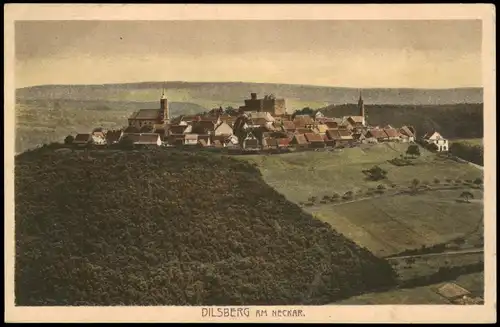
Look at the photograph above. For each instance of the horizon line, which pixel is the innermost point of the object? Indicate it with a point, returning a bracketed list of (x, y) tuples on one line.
[(270, 83)]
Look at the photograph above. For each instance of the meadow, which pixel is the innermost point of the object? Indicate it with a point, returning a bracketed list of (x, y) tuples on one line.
[(386, 225), (473, 282)]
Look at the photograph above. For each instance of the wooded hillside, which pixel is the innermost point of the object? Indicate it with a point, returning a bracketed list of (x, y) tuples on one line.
[(167, 227)]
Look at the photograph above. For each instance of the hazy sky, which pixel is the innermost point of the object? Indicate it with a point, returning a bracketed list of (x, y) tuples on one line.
[(424, 54)]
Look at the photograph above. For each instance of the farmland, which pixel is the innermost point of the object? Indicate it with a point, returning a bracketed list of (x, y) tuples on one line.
[(387, 224), (419, 295)]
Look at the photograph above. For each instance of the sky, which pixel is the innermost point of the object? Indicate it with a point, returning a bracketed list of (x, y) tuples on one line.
[(353, 53)]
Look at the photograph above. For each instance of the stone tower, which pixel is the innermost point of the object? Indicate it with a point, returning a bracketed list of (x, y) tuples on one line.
[(164, 106)]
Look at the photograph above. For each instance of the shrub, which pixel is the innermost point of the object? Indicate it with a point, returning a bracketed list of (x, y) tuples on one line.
[(436, 181), (478, 181), (381, 187)]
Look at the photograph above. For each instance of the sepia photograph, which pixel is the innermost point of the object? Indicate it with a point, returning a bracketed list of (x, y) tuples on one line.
[(245, 165)]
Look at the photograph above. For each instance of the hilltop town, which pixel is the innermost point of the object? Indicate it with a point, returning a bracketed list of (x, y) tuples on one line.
[(261, 124)]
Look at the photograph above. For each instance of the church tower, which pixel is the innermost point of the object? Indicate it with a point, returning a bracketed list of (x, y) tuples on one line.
[(361, 107), (164, 106)]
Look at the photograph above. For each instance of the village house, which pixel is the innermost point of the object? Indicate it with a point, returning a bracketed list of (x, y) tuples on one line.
[(250, 142), (406, 134), (376, 134), (340, 137), (288, 126), (113, 136), (299, 141), (315, 140), (180, 129), (392, 134), (144, 138), (320, 129), (98, 138), (82, 139), (190, 139), (436, 138), (303, 121)]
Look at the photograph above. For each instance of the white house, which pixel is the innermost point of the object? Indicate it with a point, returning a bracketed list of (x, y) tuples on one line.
[(98, 138), (144, 138), (436, 138), (190, 139)]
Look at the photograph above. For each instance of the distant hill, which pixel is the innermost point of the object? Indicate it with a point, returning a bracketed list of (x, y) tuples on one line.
[(211, 95), (170, 227)]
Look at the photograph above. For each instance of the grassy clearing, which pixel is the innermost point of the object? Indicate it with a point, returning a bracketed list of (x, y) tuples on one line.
[(385, 225), (476, 141), (419, 295), (304, 174)]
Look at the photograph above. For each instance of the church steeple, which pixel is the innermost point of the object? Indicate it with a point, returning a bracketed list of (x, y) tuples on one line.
[(164, 105), (361, 107)]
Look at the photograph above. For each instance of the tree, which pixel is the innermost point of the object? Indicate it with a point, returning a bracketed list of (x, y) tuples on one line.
[(375, 173), (478, 181), (413, 150), (304, 111), (69, 139), (467, 195)]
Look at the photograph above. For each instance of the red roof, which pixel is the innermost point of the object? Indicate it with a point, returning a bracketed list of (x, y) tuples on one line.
[(331, 124), (406, 131), (303, 120), (391, 132), (376, 133), (303, 130), (288, 125), (311, 137), (283, 141), (299, 139)]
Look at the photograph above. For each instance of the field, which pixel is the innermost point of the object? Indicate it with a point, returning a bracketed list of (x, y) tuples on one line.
[(419, 295), (472, 141), (385, 225)]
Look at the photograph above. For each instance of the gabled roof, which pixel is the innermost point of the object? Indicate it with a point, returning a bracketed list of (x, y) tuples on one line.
[(376, 133), (270, 141), (147, 114), (303, 130), (313, 138), (391, 132), (258, 121), (432, 134), (143, 138), (303, 120), (82, 138), (177, 129), (288, 125), (283, 141), (339, 134), (332, 124), (405, 130), (356, 119), (202, 142), (299, 139)]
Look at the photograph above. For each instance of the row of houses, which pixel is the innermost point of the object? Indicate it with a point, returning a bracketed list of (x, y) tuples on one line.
[(265, 131)]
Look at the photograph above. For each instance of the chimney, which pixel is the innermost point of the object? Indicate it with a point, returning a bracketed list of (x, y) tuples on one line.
[(253, 96)]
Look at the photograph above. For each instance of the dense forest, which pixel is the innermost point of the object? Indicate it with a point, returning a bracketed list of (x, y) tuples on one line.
[(171, 227), (451, 121)]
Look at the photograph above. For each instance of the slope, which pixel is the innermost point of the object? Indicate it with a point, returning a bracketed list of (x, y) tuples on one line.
[(168, 227)]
